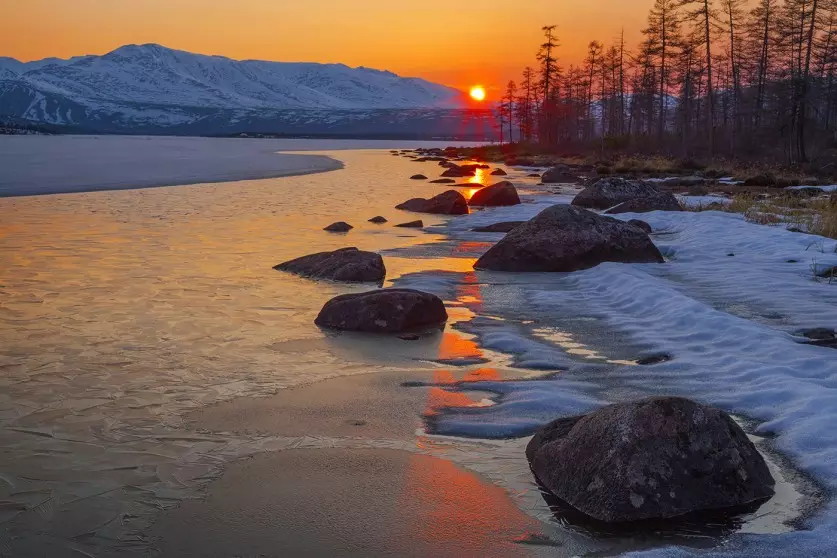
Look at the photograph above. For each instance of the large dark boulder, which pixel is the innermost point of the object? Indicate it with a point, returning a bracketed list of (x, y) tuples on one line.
[(384, 311), (500, 194), (664, 201), (503, 227), (446, 203), (608, 192), (347, 264), (559, 174), (566, 238), (658, 458)]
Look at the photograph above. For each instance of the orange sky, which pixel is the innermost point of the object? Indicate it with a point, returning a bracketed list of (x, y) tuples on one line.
[(456, 42)]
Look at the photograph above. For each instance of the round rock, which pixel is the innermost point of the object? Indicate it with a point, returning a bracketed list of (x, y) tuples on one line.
[(609, 192), (559, 174), (500, 194), (658, 458), (566, 238), (347, 264), (446, 203), (339, 226), (384, 311)]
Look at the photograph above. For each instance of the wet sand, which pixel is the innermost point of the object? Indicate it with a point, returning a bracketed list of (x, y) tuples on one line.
[(346, 502), (337, 502), (373, 406)]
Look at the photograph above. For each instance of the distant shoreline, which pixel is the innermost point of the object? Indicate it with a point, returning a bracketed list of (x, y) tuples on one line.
[(44, 165)]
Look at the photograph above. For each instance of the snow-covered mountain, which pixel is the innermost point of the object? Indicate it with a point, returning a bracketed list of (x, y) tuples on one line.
[(154, 89), (155, 75)]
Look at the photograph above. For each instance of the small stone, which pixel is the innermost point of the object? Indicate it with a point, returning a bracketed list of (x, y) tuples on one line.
[(412, 225), (339, 226)]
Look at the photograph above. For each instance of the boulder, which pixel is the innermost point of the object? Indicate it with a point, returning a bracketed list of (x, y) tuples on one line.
[(347, 264), (500, 194), (559, 174), (658, 458), (609, 192), (498, 172), (339, 226), (418, 177), (503, 227), (446, 203), (378, 220), (412, 225), (456, 171), (443, 181), (566, 238), (646, 228), (384, 311), (664, 201)]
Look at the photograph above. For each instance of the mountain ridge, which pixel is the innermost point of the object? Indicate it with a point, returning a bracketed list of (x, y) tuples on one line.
[(154, 74), (153, 89)]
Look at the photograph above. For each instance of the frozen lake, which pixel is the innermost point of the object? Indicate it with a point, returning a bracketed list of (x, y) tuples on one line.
[(34, 165), (125, 313)]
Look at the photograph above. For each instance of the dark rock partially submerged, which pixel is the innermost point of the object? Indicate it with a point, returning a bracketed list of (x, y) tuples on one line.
[(658, 458), (443, 181), (384, 311), (455, 171), (412, 225), (498, 172), (339, 226), (566, 238), (347, 264), (378, 220), (446, 203), (418, 177), (609, 192), (503, 227), (500, 194)]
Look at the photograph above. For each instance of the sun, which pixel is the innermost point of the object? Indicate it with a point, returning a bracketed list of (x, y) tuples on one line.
[(478, 93)]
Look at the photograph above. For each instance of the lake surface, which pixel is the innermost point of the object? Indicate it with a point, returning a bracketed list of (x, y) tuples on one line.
[(121, 311)]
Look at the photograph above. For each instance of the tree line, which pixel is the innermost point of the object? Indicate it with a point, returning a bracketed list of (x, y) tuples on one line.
[(708, 78)]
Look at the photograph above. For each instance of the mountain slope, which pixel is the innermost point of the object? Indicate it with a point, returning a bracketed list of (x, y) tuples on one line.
[(151, 89), (152, 74)]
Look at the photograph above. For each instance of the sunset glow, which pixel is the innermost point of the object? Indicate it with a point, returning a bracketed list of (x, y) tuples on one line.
[(478, 93), (410, 39)]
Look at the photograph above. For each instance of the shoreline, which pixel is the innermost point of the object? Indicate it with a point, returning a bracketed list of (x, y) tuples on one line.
[(81, 164)]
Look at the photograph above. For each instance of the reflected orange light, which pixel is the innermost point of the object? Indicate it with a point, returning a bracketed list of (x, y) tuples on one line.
[(454, 345), (439, 399), (479, 177), (459, 513)]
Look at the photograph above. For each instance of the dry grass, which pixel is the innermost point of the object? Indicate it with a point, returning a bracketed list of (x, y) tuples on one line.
[(815, 216)]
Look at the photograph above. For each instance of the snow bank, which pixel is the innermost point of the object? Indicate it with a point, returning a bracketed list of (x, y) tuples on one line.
[(728, 306)]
